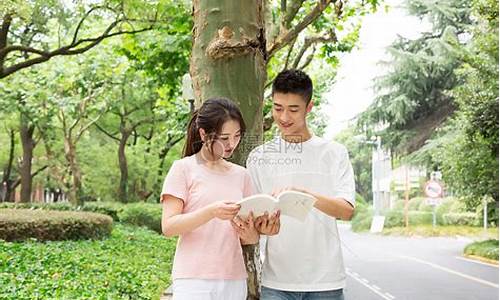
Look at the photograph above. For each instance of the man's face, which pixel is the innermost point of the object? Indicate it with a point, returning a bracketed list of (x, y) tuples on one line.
[(289, 113)]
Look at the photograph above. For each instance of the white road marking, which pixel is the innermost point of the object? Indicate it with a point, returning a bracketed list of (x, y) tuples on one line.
[(451, 271), (385, 296)]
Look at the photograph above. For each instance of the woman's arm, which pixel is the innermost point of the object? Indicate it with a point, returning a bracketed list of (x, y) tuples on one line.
[(174, 222)]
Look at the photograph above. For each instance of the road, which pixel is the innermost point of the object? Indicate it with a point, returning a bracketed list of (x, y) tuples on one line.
[(388, 267)]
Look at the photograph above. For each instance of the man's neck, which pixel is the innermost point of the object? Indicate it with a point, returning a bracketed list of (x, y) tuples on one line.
[(300, 137)]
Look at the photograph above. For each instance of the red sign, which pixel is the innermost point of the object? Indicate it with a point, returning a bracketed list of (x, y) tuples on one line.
[(433, 189)]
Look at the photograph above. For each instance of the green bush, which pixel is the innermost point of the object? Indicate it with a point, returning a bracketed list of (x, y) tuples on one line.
[(360, 200), (107, 208), (464, 219), (362, 218), (419, 218), (398, 205), (142, 214), (425, 207), (46, 225), (415, 203), (61, 206), (444, 208), (487, 249), (133, 263), (395, 218), (111, 209)]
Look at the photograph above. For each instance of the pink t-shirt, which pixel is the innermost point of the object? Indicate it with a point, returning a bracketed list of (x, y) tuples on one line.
[(213, 250)]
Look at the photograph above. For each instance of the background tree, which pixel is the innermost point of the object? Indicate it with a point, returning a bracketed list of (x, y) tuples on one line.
[(413, 97), (439, 101), (33, 32)]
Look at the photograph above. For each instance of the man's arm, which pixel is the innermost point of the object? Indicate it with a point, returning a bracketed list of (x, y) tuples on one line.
[(340, 204), (338, 208)]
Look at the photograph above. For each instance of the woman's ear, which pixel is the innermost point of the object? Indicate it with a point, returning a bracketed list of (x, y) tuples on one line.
[(203, 134)]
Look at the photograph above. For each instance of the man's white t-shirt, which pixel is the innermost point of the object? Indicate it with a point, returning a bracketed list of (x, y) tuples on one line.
[(304, 256)]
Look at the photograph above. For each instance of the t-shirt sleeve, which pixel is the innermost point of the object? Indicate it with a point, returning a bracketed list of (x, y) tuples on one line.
[(344, 184), (175, 183), (248, 188)]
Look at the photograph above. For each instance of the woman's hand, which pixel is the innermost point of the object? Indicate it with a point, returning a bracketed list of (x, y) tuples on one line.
[(224, 210), (268, 225), (246, 230)]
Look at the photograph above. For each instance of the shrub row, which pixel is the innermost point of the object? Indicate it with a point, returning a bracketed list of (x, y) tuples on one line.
[(450, 212), (138, 214), (46, 225)]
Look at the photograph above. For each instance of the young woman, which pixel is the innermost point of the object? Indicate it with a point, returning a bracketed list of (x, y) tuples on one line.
[(198, 196)]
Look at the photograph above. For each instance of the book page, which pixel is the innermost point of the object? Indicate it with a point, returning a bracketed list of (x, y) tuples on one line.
[(295, 204), (258, 204)]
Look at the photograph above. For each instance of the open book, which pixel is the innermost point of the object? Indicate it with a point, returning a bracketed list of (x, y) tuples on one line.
[(291, 203)]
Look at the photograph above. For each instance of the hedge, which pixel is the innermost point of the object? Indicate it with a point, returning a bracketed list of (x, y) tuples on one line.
[(465, 218), (107, 208), (47, 225), (142, 214), (395, 218)]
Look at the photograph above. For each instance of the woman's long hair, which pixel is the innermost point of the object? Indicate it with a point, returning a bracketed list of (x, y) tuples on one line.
[(211, 116)]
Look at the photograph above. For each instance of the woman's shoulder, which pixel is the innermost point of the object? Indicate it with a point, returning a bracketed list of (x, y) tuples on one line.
[(183, 163), (237, 168)]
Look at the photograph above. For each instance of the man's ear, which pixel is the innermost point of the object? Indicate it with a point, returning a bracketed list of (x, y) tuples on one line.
[(309, 106), (203, 134)]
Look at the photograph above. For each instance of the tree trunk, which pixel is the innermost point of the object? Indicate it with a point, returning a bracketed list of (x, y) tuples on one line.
[(75, 193), (229, 60), (28, 144), (122, 161), (7, 181)]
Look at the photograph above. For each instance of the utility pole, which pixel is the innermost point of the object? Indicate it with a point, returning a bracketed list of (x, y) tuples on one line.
[(407, 194)]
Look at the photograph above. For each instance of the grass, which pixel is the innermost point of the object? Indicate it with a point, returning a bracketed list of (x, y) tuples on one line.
[(428, 230), (485, 249), (134, 263)]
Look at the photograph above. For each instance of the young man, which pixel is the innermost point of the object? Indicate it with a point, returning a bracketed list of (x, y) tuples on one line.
[(302, 260)]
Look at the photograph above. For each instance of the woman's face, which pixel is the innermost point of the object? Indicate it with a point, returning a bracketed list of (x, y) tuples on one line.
[(226, 142)]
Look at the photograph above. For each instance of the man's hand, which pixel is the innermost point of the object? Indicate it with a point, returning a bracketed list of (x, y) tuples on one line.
[(276, 192), (268, 225), (246, 230)]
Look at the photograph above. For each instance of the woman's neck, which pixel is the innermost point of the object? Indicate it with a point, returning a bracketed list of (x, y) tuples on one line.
[(208, 159)]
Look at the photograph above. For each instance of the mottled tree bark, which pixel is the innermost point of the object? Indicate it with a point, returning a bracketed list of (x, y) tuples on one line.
[(229, 60)]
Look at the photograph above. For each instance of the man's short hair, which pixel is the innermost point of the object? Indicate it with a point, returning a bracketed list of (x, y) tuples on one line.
[(295, 82)]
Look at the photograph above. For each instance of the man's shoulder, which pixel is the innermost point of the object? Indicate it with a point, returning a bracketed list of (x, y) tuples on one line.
[(330, 145)]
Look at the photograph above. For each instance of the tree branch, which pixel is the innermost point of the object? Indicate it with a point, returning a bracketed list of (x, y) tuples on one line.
[(85, 127), (286, 37), (292, 11), (283, 14), (4, 31), (71, 49), (312, 41), (75, 35), (290, 50), (309, 58), (39, 170), (105, 132)]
